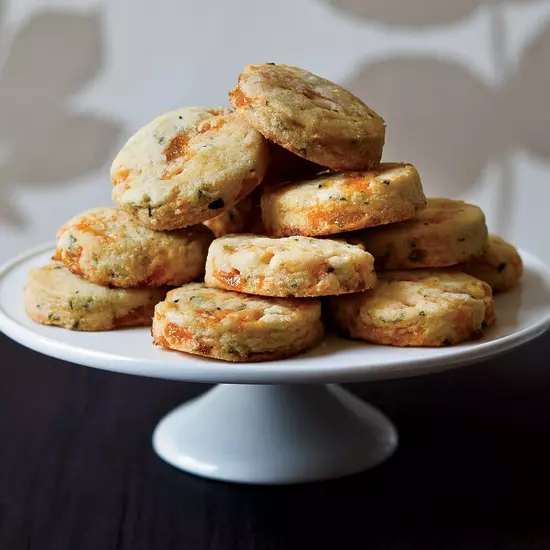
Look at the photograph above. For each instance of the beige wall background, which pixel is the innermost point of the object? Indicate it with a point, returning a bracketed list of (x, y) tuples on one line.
[(464, 86)]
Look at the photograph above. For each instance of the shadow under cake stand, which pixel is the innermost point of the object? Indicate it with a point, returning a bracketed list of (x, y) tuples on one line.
[(274, 422)]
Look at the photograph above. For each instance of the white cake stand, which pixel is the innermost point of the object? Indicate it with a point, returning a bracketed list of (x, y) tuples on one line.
[(279, 421)]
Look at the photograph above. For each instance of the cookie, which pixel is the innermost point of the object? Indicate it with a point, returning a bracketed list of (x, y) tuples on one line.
[(446, 233), (187, 166), (244, 217), (310, 116), (236, 327), (108, 246), (343, 201), (292, 266), (500, 265), (55, 296), (417, 308)]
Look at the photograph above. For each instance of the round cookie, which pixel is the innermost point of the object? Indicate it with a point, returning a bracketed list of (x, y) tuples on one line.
[(187, 166), (236, 327), (108, 246), (345, 201), (417, 308), (55, 296), (500, 265), (294, 266), (447, 232), (244, 217), (310, 116)]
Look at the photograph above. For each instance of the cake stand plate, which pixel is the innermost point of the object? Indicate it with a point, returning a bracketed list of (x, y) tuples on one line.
[(274, 422)]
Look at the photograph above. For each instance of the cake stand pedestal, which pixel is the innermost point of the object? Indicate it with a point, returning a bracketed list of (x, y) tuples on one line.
[(275, 434)]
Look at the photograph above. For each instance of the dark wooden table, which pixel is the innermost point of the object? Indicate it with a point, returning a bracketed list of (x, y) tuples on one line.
[(77, 471)]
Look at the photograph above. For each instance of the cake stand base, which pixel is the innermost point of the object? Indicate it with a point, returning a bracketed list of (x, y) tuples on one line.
[(278, 434)]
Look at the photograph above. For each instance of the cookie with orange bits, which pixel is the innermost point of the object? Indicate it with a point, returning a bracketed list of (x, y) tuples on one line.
[(291, 266), (187, 166), (310, 116), (244, 217), (55, 296), (108, 246), (500, 265), (446, 233), (344, 201), (417, 308), (236, 327)]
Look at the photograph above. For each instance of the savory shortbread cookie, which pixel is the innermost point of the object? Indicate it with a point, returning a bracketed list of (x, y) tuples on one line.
[(187, 166), (236, 327), (108, 246), (417, 308), (500, 265), (293, 266), (55, 296), (344, 201), (244, 217), (310, 116), (446, 233)]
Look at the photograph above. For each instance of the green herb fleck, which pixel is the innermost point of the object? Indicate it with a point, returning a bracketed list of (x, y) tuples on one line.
[(303, 151), (342, 199), (330, 269), (354, 142), (422, 314), (294, 284), (320, 186), (176, 301), (149, 211), (76, 324), (197, 300), (387, 182), (413, 256), (161, 139), (53, 317), (72, 241), (447, 342)]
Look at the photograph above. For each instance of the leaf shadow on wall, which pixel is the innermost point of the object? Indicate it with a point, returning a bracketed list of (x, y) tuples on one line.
[(438, 117), (409, 13), (442, 117), (45, 142)]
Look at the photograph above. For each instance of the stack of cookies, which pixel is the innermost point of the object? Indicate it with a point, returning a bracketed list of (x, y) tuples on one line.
[(280, 202)]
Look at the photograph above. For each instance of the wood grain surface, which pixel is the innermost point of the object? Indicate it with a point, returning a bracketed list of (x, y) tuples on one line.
[(77, 471)]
